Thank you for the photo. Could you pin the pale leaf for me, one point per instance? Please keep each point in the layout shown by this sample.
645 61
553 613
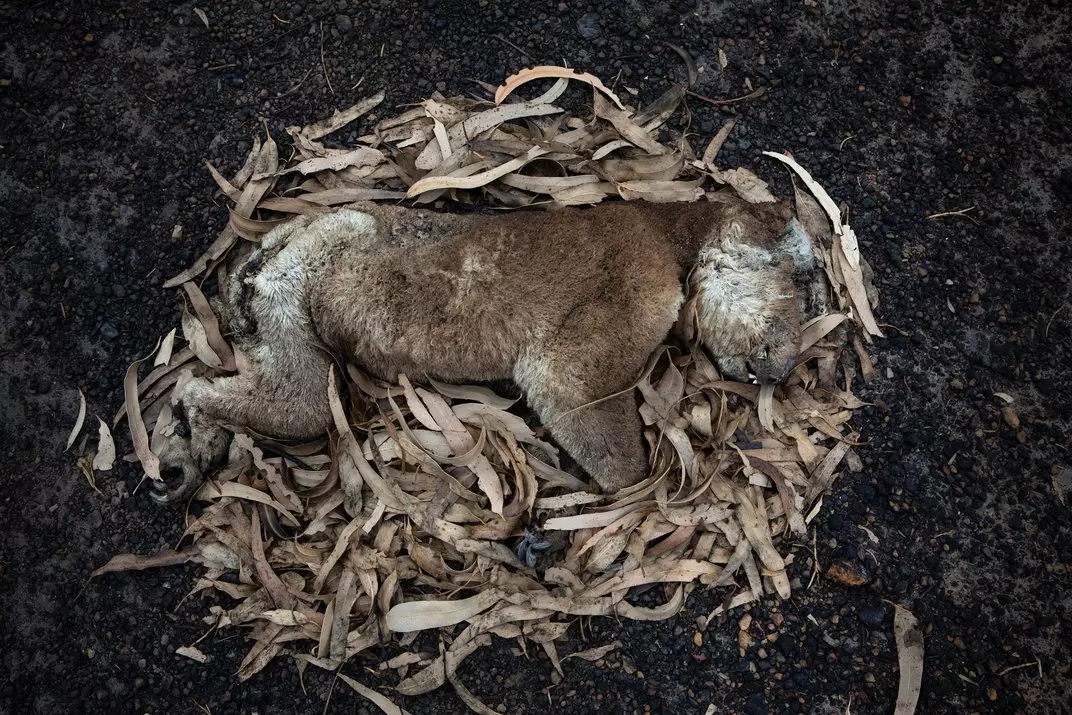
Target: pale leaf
138 434
748 186
78 421
432 183
341 118
661 191
909 660
189 651
373 697
167 345
422 615
105 457
543 71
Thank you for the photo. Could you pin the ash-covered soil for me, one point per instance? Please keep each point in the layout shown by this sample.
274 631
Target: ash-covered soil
901 109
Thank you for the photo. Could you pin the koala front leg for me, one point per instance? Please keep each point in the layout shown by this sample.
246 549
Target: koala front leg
295 407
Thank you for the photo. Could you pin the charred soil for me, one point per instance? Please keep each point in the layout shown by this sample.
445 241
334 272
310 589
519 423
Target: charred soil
902 110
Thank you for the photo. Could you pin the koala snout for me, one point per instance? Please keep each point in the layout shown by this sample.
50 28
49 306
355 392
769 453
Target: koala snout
772 365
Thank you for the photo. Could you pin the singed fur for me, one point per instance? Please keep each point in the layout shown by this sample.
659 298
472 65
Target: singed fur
568 304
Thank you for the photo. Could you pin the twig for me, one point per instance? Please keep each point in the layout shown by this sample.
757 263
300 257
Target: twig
1036 662
758 92
217 68
323 62
507 42
294 88
279 19
690 65
814 559
958 212
846 139
1046 333
331 689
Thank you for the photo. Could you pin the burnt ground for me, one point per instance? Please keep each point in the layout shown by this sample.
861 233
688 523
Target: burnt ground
901 109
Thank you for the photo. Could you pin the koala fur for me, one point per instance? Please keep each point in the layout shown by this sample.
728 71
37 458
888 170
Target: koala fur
568 304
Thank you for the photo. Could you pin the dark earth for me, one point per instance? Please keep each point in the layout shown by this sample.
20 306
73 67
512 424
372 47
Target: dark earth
901 109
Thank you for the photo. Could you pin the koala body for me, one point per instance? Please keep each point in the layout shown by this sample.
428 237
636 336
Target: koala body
568 304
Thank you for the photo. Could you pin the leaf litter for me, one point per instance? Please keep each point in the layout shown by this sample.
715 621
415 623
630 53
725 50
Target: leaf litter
431 507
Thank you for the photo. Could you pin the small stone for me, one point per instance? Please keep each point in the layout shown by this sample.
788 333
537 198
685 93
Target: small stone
905 100
590 26
956 384
1011 418
991 694
756 704
848 573
108 331
869 677
343 24
873 616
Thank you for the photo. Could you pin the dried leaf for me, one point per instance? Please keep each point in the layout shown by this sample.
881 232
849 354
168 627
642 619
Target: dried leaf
544 71
105 457
661 191
748 186
422 615
909 660
711 152
361 156
431 183
340 119
211 326
460 134
201 15
135 562
594 654
163 355
473 393
373 697
78 421
189 651
138 433
629 130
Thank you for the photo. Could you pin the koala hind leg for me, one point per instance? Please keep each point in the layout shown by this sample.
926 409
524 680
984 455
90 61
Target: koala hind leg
605 438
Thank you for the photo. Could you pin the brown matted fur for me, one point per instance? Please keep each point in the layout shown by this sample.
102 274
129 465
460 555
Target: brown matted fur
569 304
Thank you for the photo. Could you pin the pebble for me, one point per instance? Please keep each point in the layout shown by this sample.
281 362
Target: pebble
590 26
873 616
108 331
756 704
343 24
848 573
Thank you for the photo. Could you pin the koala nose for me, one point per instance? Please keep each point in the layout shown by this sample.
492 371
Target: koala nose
768 372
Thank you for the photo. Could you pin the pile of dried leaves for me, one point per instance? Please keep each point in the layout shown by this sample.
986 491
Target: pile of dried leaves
433 506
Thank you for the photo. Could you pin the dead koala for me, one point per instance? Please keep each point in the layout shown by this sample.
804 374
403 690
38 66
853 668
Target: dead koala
568 304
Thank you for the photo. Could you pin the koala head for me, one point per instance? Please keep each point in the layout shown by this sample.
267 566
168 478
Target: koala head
755 287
